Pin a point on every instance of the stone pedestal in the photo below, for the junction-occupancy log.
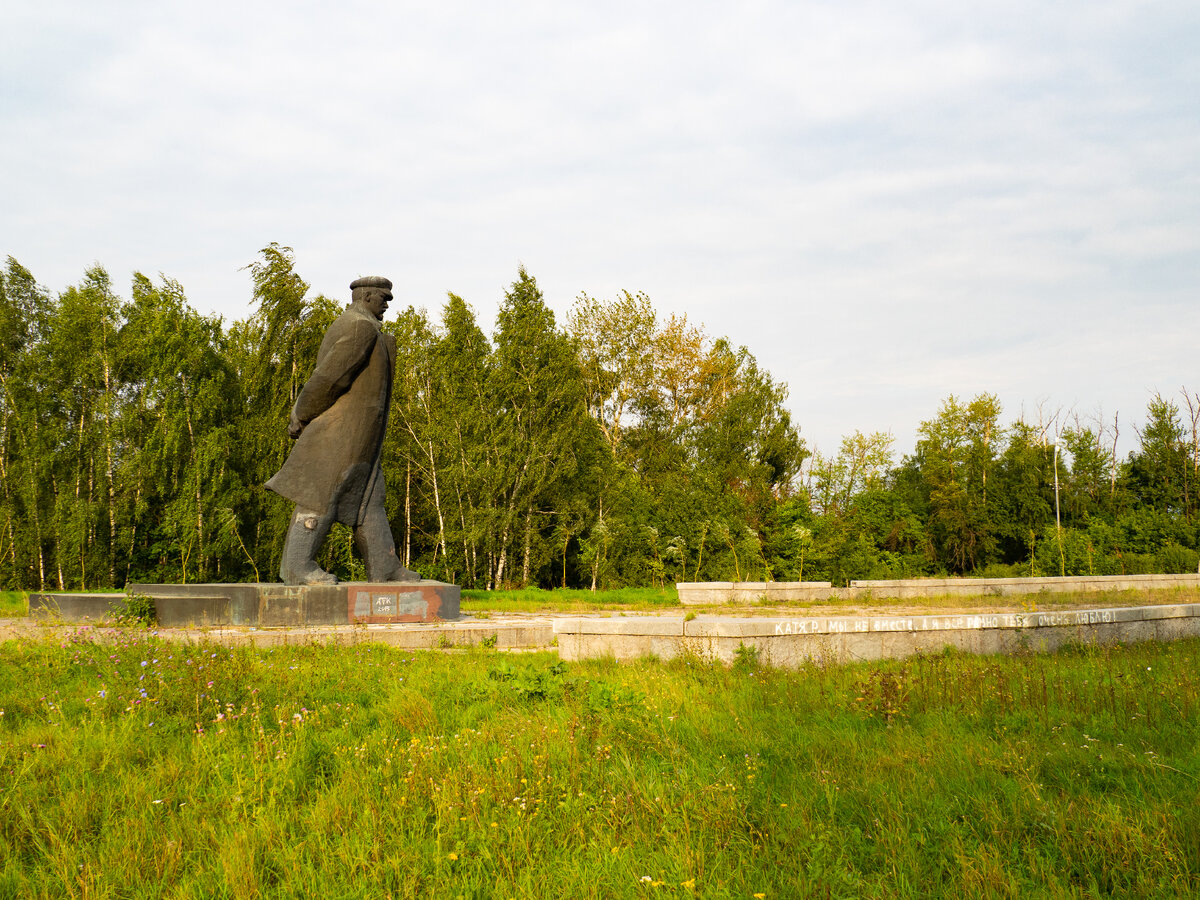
(76, 607)
(417, 601)
(269, 605)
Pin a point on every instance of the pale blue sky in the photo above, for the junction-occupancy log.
(887, 203)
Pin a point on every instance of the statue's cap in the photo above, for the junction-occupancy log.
(371, 281)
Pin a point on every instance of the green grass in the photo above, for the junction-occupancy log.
(653, 599)
(532, 600)
(13, 604)
(138, 768)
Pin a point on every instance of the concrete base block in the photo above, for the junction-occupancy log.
(266, 605)
(716, 593)
(796, 642)
(1006, 587)
(76, 607)
(414, 601)
(1176, 629)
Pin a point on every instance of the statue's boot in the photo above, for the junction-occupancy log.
(305, 535)
(378, 548)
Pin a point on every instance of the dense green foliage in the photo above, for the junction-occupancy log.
(135, 767)
(978, 498)
(615, 449)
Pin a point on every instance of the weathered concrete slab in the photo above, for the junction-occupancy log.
(180, 605)
(716, 593)
(508, 631)
(792, 642)
(266, 605)
(287, 606)
(586, 637)
(1004, 587)
(76, 607)
(622, 625)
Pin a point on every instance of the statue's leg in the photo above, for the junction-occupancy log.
(374, 540)
(305, 535)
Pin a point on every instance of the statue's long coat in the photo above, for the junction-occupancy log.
(334, 466)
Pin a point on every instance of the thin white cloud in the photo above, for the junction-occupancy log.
(886, 203)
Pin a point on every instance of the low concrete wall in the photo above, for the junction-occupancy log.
(709, 593)
(265, 605)
(791, 642)
(1000, 587)
(76, 607)
(516, 632)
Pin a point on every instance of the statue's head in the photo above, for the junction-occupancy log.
(374, 292)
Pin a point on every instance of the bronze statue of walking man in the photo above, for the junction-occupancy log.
(339, 421)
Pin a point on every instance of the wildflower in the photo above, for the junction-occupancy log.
(759, 896)
(645, 878)
(690, 884)
(451, 856)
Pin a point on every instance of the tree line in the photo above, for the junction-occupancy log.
(615, 448)
(1050, 496)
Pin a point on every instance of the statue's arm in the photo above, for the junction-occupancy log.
(336, 370)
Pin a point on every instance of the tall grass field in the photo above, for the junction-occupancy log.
(131, 767)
